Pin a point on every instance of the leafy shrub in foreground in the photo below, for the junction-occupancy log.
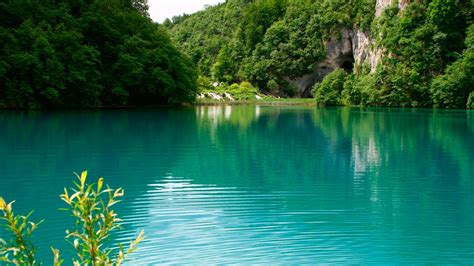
(18, 250)
(91, 206)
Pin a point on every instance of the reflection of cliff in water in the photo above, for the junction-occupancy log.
(400, 152)
(236, 142)
(396, 167)
(365, 138)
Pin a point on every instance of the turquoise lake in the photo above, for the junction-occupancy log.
(255, 184)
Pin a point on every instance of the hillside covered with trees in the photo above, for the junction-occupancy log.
(405, 54)
(65, 53)
(398, 53)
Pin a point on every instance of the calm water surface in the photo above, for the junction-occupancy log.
(260, 185)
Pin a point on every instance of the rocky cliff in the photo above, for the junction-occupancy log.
(351, 48)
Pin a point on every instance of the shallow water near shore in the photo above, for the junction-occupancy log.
(255, 184)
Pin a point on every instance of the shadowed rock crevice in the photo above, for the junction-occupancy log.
(339, 54)
(345, 50)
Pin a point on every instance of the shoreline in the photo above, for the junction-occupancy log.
(264, 102)
(198, 102)
(303, 102)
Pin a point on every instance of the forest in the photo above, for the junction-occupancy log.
(99, 53)
(426, 49)
(88, 53)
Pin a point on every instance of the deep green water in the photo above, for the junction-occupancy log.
(257, 184)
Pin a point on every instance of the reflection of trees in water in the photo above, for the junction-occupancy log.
(258, 138)
(470, 120)
(398, 164)
(404, 163)
(411, 161)
(375, 139)
(379, 137)
(277, 144)
(453, 131)
(114, 140)
(40, 150)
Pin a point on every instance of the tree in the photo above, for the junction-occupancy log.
(454, 88)
(141, 6)
(88, 53)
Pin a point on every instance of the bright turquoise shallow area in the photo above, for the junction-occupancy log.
(257, 185)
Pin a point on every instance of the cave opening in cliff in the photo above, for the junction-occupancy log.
(348, 66)
(347, 63)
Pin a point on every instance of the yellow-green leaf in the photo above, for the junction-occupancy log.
(8, 208)
(74, 195)
(65, 195)
(56, 256)
(99, 184)
(83, 178)
(140, 237)
(119, 192)
(3, 204)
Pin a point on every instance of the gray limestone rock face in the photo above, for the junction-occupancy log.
(339, 52)
(350, 48)
(402, 4)
(380, 5)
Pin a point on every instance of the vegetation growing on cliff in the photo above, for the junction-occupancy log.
(457, 83)
(423, 45)
(270, 42)
(265, 42)
(88, 53)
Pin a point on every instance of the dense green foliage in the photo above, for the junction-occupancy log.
(457, 84)
(420, 43)
(426, 57)
(329, 90)
(62, 53)
(265, 41)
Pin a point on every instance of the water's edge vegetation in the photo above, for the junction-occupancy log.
(90, 206)
(69, 54)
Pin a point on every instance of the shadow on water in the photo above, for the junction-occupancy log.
(238, 184)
